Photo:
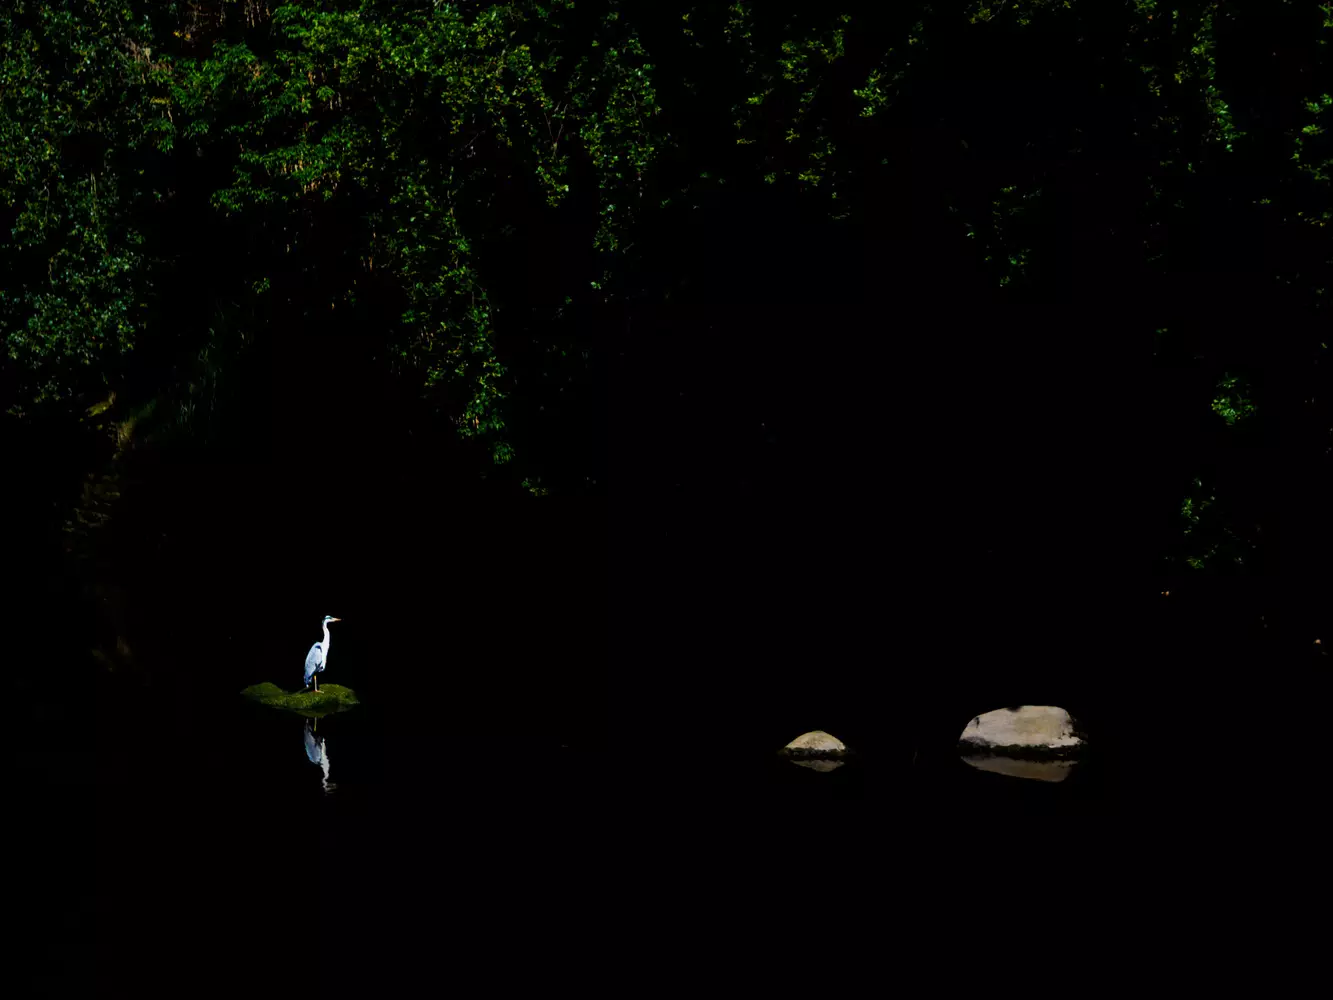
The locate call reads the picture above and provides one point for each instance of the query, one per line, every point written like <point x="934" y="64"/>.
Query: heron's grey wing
<point x="312" y="748"/>
<point x="314" y="660"/>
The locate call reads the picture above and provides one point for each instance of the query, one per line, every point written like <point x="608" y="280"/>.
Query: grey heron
<point x="318" y="657"/>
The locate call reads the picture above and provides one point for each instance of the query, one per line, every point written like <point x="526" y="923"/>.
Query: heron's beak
<point x="337" y="619"/>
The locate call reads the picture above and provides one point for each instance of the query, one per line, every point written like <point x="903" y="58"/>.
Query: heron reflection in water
<point x="317" y="751"/>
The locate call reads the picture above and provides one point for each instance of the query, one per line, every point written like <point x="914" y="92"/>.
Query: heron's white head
<point x="330" y="618"/>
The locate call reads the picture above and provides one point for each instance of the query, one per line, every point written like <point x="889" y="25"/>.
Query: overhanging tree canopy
<point x="467" y="184"/>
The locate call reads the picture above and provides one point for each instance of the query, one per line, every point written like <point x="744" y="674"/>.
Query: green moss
<point x="329" y="699"/>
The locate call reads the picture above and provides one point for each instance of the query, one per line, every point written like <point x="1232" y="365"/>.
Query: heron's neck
<point x="326" y="638"/>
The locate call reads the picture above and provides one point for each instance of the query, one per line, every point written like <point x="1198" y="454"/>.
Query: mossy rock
<point x="329" y="699"/>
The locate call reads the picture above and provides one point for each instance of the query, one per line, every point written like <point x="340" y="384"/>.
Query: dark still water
<point x="531" y="744"/>
<point x="175" y="828"/>
<point x="255" y="843"/>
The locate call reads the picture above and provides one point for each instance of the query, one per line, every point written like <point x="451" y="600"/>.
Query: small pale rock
<point x="816" y="740"/>
<point x="1032" y="725"/>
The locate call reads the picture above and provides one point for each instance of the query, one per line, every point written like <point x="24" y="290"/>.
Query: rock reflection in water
<point x="1038" y="770"/>
<point x="823" y="766"/>
<point x="317" y="752"/>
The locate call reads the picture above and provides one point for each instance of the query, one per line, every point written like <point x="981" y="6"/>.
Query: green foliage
<point x="1021" y="11"/>
<point x="78" y="87"/>
<point x="1210" y="539"/>
<point x="1002" y="248"/>
<point x="1313" y="153"/>
<point x="1232" y="403"/>
<point x="428" y="137"/>
<point x="1193" y="506"/>
<point x="536" y="489"/>
<point x="420" y="115"/>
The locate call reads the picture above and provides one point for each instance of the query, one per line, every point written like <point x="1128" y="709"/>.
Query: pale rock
<point x="818" y="740"/>
<point x="1032" y="725"/>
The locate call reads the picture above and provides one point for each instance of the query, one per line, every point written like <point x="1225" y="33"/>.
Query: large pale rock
<point x="817" y="741"/>
<point x="1038" y="726"/>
